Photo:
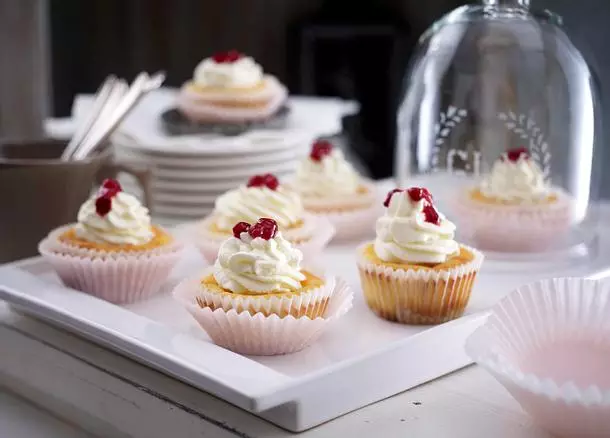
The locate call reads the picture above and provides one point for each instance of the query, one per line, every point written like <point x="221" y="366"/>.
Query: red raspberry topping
<point x="514" y="154"/>
<point x="320" y="149"/>
<point x="418" y="193"/>
<point x="388" y="198"/>
<point x="112" y="185"/>
<point x="431" y="214"/>
<point x="227" y="57"/>
<point x="240" y="227"/>
<point x="103" y="205"/>
<point x="265" y="228"/>
<point x="108" y="190"/>
<point x="267" y="180"/>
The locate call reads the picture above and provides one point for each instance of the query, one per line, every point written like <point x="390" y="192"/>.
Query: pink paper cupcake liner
<point x="258" y="334"/>
<point x="356" y="221"/>
<point x="202" y="106"/>
<point x="548" y="343"/>
<point x="354" y="225"/>
<point x="311" y="239"/>
<point x="418" y="296"/>
<point x="117" y="277"/>
<point x="513" y="228"/>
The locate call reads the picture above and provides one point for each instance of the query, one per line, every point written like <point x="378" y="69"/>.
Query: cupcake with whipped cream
<point x="330" y="187"/>
<point x="113" y="251"/>
<point x="514" y="208"/>
<point x="257" y="299"/>
<point x="414" y="272"/>
<point x="231" y="87"/>
<point x="263" y="196"/>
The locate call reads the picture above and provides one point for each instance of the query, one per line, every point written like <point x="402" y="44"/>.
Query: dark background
<point x="356" y="49"/>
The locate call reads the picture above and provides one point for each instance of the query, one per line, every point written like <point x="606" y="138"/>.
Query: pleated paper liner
<point x="418" y="296"/>
<point x="353" y="217"/>
<point x="513" y="228"/>
<point x="118" y="277"/>
<point x="311" y="239"/>
<point x="548" y="343"/>
<point x="353" y="225"/>
<point x="257" y="334"/>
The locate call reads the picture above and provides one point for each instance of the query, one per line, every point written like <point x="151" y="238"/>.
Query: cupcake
<point x="113" y="251"/>
<point x="331" y="188"/>
<point x="514" y="208"/>
<point x="415" y="272"/>
<point x="257" y="299"/>
<point x="230" y="87"/>
<point x="263" y="196"/>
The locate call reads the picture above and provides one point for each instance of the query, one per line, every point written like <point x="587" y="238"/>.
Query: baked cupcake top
<point x="325" y="172"/>
<point x="228" y="70"/>
<point x="515" y="177"/>
<point x="262" y="196"/>
<point x="115" y="217"/>
<point x="258" y="260"/>
<point x="413" y="231"/>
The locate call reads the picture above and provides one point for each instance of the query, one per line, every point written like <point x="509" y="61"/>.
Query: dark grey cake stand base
<point x="176" y="123"/>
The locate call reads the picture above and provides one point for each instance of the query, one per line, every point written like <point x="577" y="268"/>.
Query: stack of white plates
<point x="187" y="178"/>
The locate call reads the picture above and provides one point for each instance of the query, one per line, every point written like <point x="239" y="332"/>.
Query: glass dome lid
<point x="500" y="118"/>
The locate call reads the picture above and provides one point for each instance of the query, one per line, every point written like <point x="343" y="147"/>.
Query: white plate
<point x="207" y="187"/>
<point x="182" y="211"/>
<point x="215" y="162"/>
<point x="251" y="143"/>
<point x="240" y="175"/>
<point x="195" y="199"/>
<point x="360" y="360"/>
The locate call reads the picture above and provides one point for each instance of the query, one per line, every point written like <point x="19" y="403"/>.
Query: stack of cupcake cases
<point x="548" y="344"/>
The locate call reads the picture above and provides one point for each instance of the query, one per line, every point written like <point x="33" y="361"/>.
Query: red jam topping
<point x="265" y="229"/>
<point x="418" y="193"/>
<point x="431" y="214"/>
<point x="227" y="57"/>
<point x="112" y="185"/>
<point x="109" y="189"/>
<point x="388" y="198"/>
<point x="103" y="205"/>
<point x="240" y="227"/>
<point x="320" y="149"/>
<point x="267" y="180"/>
<point x="514" y="154"/>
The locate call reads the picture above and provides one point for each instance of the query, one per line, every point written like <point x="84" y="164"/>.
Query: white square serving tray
<point x="359" y="360"/>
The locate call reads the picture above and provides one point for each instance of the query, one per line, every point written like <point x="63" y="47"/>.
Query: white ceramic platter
<point x="360" y="360"/>
<point x="256" y="143"/>
<point x="221" y="163"/>
<point x="241" y="173"/>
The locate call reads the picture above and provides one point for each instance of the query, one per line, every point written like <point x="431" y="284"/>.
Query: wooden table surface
<point x="21" y="419"/>
<point x="109" y="395"/>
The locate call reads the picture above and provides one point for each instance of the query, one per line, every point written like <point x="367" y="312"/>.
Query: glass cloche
<point x="500" y="118"/>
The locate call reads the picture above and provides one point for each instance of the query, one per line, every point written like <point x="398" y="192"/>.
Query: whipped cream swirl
<point x="404" y="235"/>
<point x="248" y="204"/>
<point x="258" y="266"/>
<point x="242" y="73"/>
<point x="519" y="180"/>
<point x="330" y="176"/>
<point x="127" y="222"/>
